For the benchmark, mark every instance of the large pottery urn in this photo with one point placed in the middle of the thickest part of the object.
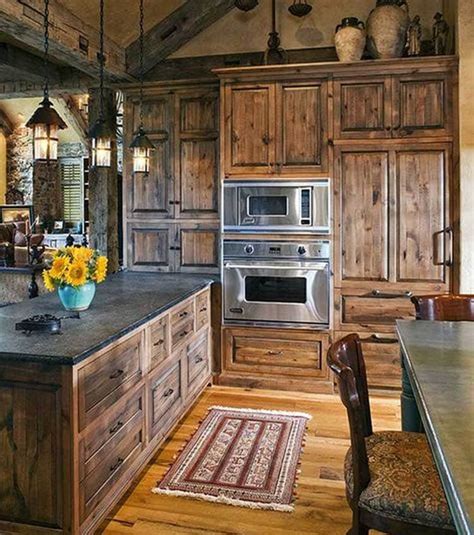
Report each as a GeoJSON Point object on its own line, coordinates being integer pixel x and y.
{"type": "Point", "coordinates": [387, 27]}
{"type": "Point", "coordinates": [350, 39]}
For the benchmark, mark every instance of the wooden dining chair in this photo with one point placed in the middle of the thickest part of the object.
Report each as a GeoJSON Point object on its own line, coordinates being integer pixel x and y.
{"type": "Point", "coordinates": [391, 480]}
{"type": "Point", "coordinates": [444, 307]}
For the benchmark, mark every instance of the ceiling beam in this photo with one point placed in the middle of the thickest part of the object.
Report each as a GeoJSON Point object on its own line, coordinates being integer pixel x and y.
{"type": "Point", "coordinates": [174, 31]}
{"type": "Point", "coordinates": [22, 64]}
{"type": "Point", "coordinates": [72, 42]}
{"type": "Point", "coordinates": [73, 84]}
{"type": "Point", "coordinates": [73, 117]}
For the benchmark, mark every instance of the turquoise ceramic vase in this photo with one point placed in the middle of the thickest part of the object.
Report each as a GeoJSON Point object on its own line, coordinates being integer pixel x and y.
{"type": "Point", "coordinates": [77, 299]}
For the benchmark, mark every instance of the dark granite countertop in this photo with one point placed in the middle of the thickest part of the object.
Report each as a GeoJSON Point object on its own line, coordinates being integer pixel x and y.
{"type": "Point", "coordinates": [439, 358]}
{"type": "Point", "coordinates": [123, 303]}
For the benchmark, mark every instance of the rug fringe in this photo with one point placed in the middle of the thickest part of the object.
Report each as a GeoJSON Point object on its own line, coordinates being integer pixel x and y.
{"type": "Point", "coordinates": [226, 500]}
{"type": "Point", "coordinates": [263, 411]}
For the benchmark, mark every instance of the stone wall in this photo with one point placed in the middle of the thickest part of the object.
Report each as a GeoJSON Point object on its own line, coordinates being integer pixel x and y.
{"type": "Point", "coordinates": [20, 163]}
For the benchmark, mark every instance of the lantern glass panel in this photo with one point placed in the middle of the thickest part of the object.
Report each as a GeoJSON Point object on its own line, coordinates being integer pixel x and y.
{"type": "Point", "coordinates": [141, 160]}
{"type": "Point", "coordinates": [45, 144]}
{"type": "Point", "coordinates": [101, 152]}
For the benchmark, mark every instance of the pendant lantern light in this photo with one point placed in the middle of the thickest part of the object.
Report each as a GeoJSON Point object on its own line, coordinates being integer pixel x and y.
{"type": "Point", "coordinates": [141, 145]}
{"type": "Point", "coordinates": [45, 121]}
{"type": "Point", "coordinates": [100, 133]}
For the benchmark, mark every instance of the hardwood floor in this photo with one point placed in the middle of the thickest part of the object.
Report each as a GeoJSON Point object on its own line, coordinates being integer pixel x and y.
{"type": "Point", "coordinates": [321, 506]}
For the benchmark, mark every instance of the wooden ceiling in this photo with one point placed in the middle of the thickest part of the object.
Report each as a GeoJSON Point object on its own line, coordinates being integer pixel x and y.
{"type": "Point", "coordinates": [121, 16]}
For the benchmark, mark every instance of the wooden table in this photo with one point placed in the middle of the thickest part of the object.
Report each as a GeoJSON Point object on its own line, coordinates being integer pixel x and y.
{"type": "Point", "coordinates": [439, 360]}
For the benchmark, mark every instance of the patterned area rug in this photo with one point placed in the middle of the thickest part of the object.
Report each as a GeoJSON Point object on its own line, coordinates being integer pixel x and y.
{"type": "Point", "coordinates": [241, 457]}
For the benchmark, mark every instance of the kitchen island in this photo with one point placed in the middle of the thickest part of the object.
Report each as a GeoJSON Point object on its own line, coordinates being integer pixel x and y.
{"type": "Point", "coordinates": [82, 412]}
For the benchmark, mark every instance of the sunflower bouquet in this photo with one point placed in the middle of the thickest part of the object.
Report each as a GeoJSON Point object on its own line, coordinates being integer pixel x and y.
{"type": "Point", "coordinates": [74, 272]}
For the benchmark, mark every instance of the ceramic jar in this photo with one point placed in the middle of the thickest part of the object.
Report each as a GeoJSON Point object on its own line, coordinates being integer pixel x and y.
{"type": "Point", "coordinates": [77, 299]}
{"type": "Point", "coordinates": [350, 39]}
{"type": "Point", "coordinates": [387, 27]}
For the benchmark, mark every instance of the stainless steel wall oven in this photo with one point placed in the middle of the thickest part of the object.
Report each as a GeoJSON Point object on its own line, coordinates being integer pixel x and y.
{"type": "Point", "coordinates": [273, 282]}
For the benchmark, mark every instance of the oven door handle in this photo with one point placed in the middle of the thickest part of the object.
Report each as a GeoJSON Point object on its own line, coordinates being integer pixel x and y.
{"type": "Point", "coordinates": [318, 266]}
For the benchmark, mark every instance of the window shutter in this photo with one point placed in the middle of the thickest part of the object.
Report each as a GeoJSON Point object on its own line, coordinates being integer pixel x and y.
{"type": "Point", "coordinates": [72, 188]}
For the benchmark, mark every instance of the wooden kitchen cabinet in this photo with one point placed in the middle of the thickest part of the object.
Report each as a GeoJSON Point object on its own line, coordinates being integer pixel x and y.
{"type": "Point", "coordinates": [392, 217]}
{"type": "Point", "coordinates": [149, 246]}
{"type": "Point", "coordinates": [275, 129]}
{"type": "Point", "coordinates": [197, 247]}
{"type": "Point", "coordinates": [394, 106]}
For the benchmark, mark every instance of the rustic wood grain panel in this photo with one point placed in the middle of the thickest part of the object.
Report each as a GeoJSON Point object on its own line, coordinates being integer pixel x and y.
{"type": "Point", "coordinates": [301, 125]}
{"type": "Point", "coordinates": [363, 185]}
{"type": "Point", "coordinates": [158, 114]}
{"type": "Point", "coordinates": [149, 247]}
{"type": "Point", "coordinates": [199, 114]}
{"type": "Point", "coordinates": [362, 108]}
{"type": "Point", "coordinates": [422, 201]}
{"type": "Point", "coordinates": [199, 246]}
{"type": "Point", "coordinates": [31, 454]}
{"type": "Point", "coordinates": [199, 178]}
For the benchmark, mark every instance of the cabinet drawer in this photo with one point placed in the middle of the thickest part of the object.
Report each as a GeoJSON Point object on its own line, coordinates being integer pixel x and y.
{"type": "Point", "coordinates": [197, 354]}
{"type": "Point", "coordinates": [159, 341]}
{"type": "Point", "coordinates": [203, 310]}
{"type": "Point", "coordinates": [382, 359]}
{"type": "Point", "coordinates": [103, 471]}
{"type": "Point", "coordinates": [109, 427]}
{"type": "Point", "coordinates": [182, 324]}
{"type": "Point", "coordinates": [166, 396]}
{"type": "Point", "coordinates": [105, 380]}
{"type": "Point", "coordinates": [262, 351]}
{"type": "Point", "coordinates": [368, 310]}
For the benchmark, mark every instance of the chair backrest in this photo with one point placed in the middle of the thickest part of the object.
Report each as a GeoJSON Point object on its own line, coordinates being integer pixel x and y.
{"type": "Point", "coordinates": [444, 307]}
{"type": "Point", "coordinates": [346, 360]}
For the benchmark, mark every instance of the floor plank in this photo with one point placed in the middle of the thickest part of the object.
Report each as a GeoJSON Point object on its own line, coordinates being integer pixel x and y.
{"type": "Point", "coordinates": [321, 506]}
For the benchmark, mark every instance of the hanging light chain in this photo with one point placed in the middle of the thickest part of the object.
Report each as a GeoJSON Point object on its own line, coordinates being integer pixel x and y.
{"type": "Point", "coordinates": [46, 48]}
{"type": "Point", "coordinates": [101, 60]}
{"type": "Point", "coordinates": [142, 47]}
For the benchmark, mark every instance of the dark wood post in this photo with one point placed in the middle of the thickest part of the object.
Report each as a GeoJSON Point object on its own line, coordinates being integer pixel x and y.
{"type": "Point", "coordinates": [47, 193]}
{"type": "Point", "coordinates": [103, 187]}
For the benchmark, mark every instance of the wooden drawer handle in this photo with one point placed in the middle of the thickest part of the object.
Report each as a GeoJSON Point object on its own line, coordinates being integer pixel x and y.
{"type": "Point", "coordinates": [116, 465]}
{"type": "Point", "coordinates": [168, 393]}
{"type": "Point", "coordinates": [116, 427]}
{"type": "Point", "coordinates": [184, 333]}
{"type": "Point", "coordinates": [116, 374]}
{"type": "Point", "coordinates": [275, 353]}
{"type": "Point", "coordinates": [159, 342]}
{"type": "Point", "coordinates": [183, 314]}
{"type": "Point", "coordinates": [203, 309]}
{"type": "Point", "coordinates": [377, 339]}
{"type": "Point", "coordinates": [197, 360]}
{"type": "Point", "coordinates": [381, 295]}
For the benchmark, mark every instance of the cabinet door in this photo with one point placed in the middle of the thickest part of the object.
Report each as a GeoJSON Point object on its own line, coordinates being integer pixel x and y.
{"type": "Point", "coordinates": [362, 215]}
{"type": "Point", "coordinates": [422, 105]}
{"type": "Point", "coordinates": [423, 237]}
{"type": "Point", "coordinates": [148, 247]}
{"type": "Point", "coordinates": [249, 129]}
{"type": "Point", "coordinates": [198, 247]}
{"type": "Point", "coordinates": [362, 108]}
{"type": "Point", "coordinates": [302, 129]}
{"type": "Point", "coordinates": [149, 195]}
{"type": "Point", "coordinates": [197, 158]}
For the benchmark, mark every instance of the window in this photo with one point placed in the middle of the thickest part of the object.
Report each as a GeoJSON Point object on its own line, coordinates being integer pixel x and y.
{"type": "Point", "coordinates": [72, 171]}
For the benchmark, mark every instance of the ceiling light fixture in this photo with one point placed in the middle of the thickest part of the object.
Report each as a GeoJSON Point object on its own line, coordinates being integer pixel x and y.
{"type": "Point", "coordinates": [100, 133]}
{"type": "Point", "coordinates": [46, 121]}
{"type": "Point", "coordinates": [141, 145]}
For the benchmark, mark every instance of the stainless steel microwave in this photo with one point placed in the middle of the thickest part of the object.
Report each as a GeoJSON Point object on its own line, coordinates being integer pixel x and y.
{"type": "Point", "coordinates": [285, 206]}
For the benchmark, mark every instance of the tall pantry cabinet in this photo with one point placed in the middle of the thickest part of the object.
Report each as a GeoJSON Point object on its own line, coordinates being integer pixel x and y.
{"type": "Point", "coordinates": [172, 214]}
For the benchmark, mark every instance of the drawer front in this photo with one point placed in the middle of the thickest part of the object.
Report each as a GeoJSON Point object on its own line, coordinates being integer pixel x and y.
{"type": "Point", "coordinates": [382, 359]}
{"type": "Point", "coordinates": [276, 352]}
{"type": "Point", "coordinates": [159, 341]}
{"type": "Point", "coordinates": [166, 396]}
{"type": "Point", "coordinates": [104, 471]}
{"type": "Point", "coordinates": [105, 381]}
{"type": "Point", "coordinates": [203, 309]}
{"type": "Point", "coordinates": [109, 427]}
{"type": "Point", "coordinates": [198, 361]}
{"type": "Point", "coordinates": [362, 309]}
{"type": "Point", "coordinates": [182, 315]}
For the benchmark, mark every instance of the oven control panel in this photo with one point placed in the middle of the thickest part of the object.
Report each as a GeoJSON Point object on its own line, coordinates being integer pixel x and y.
{"type": "Point", "coordinates": [316, 249]}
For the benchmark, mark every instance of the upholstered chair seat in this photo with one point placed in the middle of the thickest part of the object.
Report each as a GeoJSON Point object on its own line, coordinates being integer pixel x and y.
{"type": "Point", "coordinates": [404, 484]}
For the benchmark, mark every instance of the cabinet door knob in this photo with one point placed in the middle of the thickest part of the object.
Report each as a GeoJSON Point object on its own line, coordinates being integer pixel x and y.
{"type": "Point", "coordinates": [159, 342]}
{"type": "Point", "coordinates": [197, 360]}
{"type": "Point", "coordinates": [168, 393]}
{"type": "Point", "coordinates": [183, 314]}
{"type": "Point", "coordinates": [116, 465]}
{"type": "Point", "coordinates": [116, 427]}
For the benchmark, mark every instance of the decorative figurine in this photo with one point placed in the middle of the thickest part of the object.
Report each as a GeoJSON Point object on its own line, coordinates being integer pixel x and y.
{"type": "Point", "coordinates": [414, 37]}
{"type": "Point", "coordinates": [440, 35]}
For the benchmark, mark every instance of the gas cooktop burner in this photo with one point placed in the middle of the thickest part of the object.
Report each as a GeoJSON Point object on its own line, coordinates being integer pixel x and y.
{"type": "Point", "coordinates": [43, 323]}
